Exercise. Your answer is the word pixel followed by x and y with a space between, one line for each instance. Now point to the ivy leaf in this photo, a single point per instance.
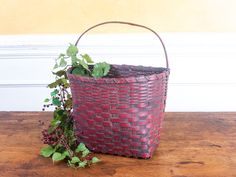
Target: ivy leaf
pixel 59 81
pixel 100 69
pixel 53 84
pixel 63 81
pixel 106 68
pixel 72 50
pixel 79 71
pixel 74 60
pixel 61 55
pixel 60 73
pixel 66 153
pixel 85 65
pixel 46 100
pixel 57 156
pixel 47 151
pixel 85 153
pixel 80 148
pixel 63 62
pixel 70 164
pixel 55 66
pixel 56 102
pixel 95 160
pixel 54 92
pixel 55 123
pixel 87 58
pixel 83 164
pixel 75 160
pixel 58 112
pixel 97 72
pixel 57 119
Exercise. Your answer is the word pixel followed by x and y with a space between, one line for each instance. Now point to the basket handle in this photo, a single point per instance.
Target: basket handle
pixel 127 23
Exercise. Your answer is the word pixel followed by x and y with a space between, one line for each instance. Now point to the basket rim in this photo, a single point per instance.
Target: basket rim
pixel 132 79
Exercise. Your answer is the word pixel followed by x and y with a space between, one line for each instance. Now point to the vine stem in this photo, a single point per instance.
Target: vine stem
pixel 62 98
pixel 63 141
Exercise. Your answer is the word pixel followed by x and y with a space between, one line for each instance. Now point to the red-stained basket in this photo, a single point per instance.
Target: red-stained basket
pixel 122 113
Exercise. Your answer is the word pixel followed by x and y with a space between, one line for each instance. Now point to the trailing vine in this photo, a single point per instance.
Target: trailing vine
pixel 60 136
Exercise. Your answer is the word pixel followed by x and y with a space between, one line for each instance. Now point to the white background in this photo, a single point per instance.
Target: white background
pixel 203 66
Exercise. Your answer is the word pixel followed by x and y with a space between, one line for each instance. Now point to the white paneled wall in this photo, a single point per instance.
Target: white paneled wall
pixel 203 66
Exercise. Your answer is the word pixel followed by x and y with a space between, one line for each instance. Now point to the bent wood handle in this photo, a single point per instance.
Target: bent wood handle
pixel 127 23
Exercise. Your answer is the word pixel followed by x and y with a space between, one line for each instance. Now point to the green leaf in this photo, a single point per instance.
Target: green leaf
pixel 59 81
pixel 85 65
pixel 85 153
pixel 74 61
pixel 72 50
pixel 100 69
pixel 87 58
pixel 61 55
pixel 47 151
pixel 63 62
pixel 79 71
pixel 53 84
pixel 57 156
pixel 95 160
pixel 56 102
pixel 63 81
pixel 66 153
pixel 97 72
pixel 75 160
pixel 83 164
pixel 60 73
pixel 58 112
pixel 54 92
pixel 69 163
pixel 106 68
pixel 81 147
pixel 55 66
pixel 55 122
pixel 46 100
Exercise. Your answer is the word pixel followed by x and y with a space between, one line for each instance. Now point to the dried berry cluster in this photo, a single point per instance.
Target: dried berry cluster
pixel 53 137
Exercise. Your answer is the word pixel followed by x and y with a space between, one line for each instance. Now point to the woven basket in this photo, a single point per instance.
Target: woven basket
pixel 122 113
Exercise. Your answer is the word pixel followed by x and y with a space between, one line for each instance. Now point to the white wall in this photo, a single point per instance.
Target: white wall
pixel 203 66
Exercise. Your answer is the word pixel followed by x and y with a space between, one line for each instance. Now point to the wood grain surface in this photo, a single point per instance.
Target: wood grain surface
pixel 192 145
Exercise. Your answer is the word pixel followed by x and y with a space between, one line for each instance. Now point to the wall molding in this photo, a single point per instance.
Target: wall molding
pixel 202 66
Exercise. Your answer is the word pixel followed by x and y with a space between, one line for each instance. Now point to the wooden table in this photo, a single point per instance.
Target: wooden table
pixel 192 145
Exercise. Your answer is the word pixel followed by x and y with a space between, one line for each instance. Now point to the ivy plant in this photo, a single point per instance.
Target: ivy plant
pixel 60 138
